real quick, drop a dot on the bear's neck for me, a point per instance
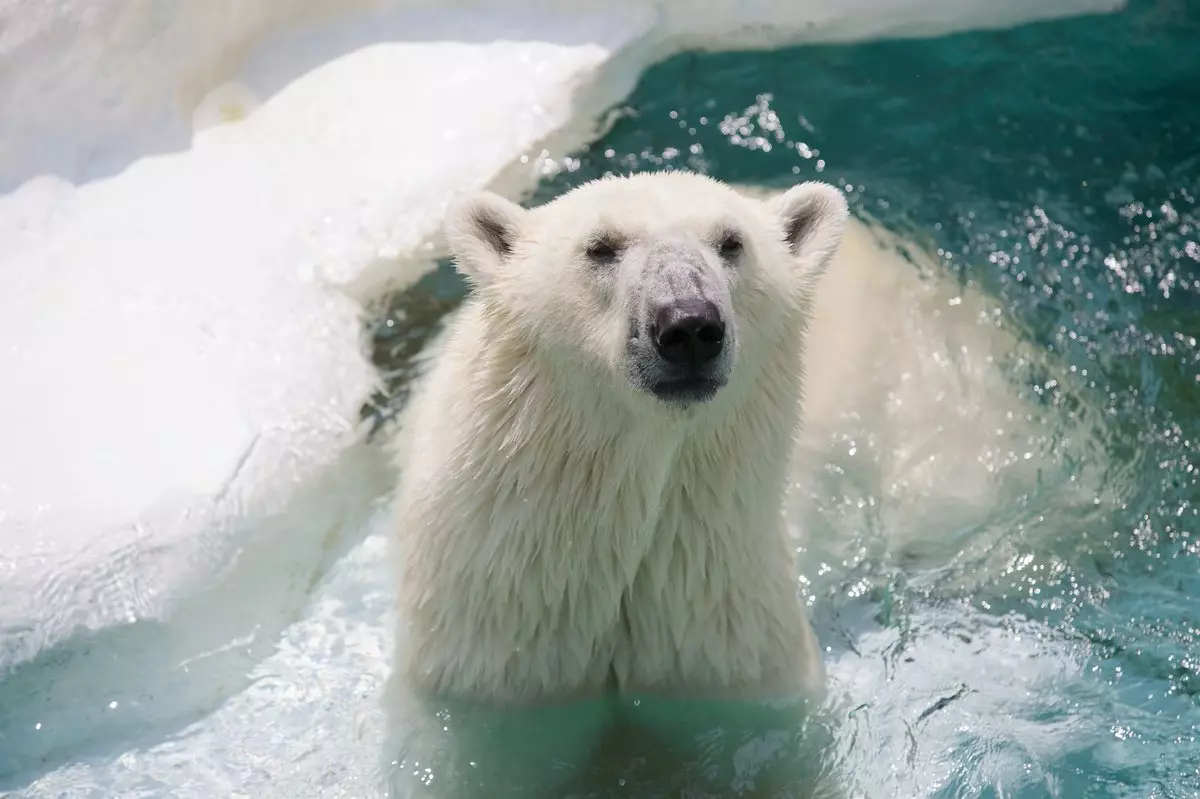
(546, 450)
(562, 497)
(561, 426)
(565, 455)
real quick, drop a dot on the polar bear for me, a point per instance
(588, 526)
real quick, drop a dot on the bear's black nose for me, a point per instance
(688, 332)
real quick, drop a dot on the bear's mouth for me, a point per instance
(687, 390)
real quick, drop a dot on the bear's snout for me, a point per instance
(688, 333)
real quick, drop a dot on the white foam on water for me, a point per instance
(307, 723)
(199, 197)
(962, 698)
(917, 412)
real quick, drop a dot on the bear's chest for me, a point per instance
(704, 595)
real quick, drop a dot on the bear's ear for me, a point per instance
(482, 230)
(813, 216)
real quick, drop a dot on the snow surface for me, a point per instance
(199, 195)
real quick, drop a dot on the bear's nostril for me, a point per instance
(674, 338)
(688, 332)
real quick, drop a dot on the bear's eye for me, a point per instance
(603, 250)
(730, 246)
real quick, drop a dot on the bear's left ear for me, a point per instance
(482, 231)
(813, 216)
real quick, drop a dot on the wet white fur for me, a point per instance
(560, 534)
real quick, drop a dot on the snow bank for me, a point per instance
(179, 332)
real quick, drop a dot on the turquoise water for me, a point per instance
(1057, 167)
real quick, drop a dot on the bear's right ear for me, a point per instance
(482, 231)
(813, 215)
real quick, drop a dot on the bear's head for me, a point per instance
(672, 283)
